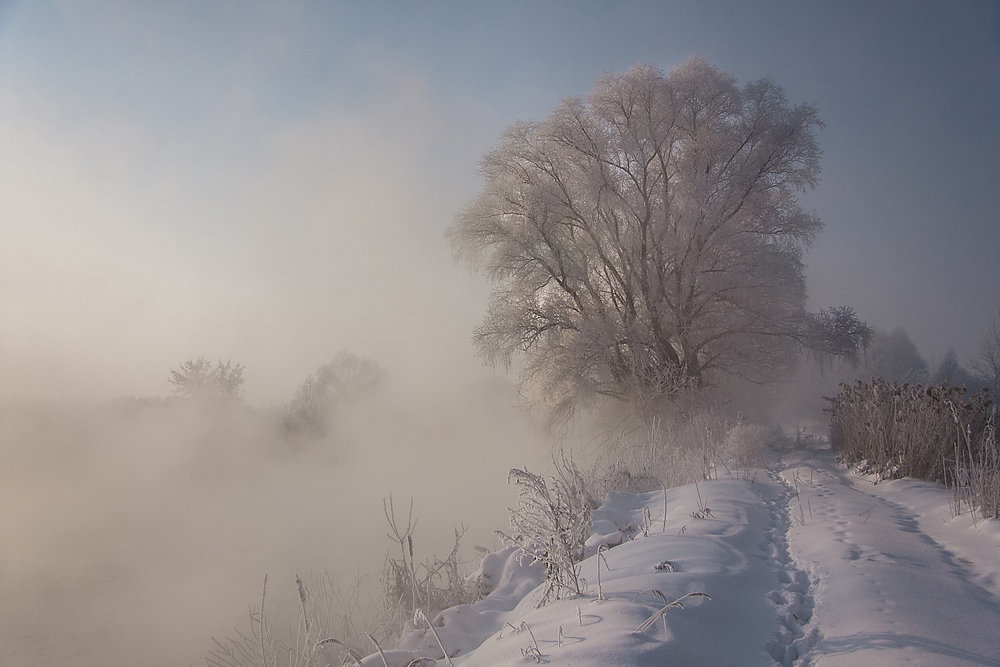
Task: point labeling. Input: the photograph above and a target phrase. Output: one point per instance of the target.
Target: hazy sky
(270, 181)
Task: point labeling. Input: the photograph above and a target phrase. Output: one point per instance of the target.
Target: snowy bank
(804, 563)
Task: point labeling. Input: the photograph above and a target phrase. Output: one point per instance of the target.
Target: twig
(378, 647)
(334, 640)
(662, 611)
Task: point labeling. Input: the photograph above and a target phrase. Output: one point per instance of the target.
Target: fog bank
(134, 533)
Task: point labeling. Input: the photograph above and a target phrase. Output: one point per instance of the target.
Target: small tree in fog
(648, 238)
(987, 364)
(837, 333)
(894, 357)
(347, 378)
(199, 379)
(952, 372)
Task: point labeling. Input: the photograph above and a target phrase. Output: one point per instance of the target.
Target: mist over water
(133, 533)
(135, 238)
(270, 184)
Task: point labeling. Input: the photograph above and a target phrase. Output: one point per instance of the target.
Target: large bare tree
(647, 238)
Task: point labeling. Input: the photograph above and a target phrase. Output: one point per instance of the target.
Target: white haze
(133, 534)
(234, 181)
(121, 259)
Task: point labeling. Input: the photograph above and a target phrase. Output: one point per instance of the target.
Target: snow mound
(804, 563)
(725, 556)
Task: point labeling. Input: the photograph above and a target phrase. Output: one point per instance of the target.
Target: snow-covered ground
(802, 563)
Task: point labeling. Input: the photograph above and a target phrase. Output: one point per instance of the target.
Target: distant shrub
(680, 449)
(349, 377)
(200, 380)
(893, 430)
(745, 445)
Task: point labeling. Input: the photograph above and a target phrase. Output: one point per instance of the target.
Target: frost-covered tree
(648, 238)
(199, 379)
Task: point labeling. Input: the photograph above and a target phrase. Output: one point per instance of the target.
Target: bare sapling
(402, 571)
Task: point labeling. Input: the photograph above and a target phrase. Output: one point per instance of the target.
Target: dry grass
(661, 613)
(335, 626)
(938, 433)
(427, 587)
(668, 452)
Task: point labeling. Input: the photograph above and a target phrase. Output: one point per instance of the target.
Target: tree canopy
(648, 238)
(347, 378)
(199, 380)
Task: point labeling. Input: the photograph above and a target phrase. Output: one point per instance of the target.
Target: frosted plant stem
(378, 647)
(525, 626)
(334, 640)
(420, 615)
(662, 611)
(263, 596)
(600, 557)
(302, 601)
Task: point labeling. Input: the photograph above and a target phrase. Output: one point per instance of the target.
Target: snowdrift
(803, 563)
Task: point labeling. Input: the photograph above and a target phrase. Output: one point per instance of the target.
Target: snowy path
(806, 564)
(884, 591)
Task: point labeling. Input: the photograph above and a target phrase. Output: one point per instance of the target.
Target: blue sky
(270, 181)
